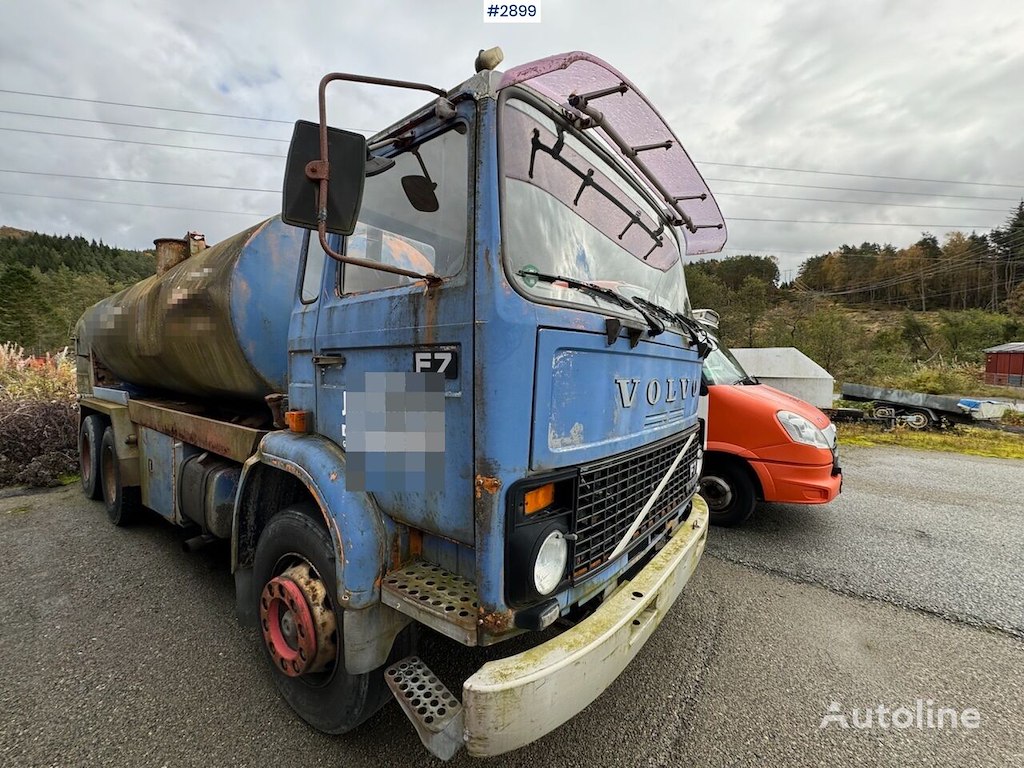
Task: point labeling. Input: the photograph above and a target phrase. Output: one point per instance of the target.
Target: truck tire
(90, 434)
(295, 594)
(123, 504)
(727, 488)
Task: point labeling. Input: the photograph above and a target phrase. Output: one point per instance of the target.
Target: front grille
(613, 491)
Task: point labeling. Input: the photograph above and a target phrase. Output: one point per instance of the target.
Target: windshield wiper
(656, 325)
(698, 335)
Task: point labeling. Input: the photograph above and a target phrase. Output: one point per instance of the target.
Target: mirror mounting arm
(431, 279)
(319, 170)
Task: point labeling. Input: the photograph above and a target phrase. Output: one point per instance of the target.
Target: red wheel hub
(288, 626)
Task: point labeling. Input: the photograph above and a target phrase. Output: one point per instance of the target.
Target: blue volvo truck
(454, 385)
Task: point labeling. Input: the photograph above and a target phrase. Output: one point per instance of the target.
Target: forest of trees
(974, 285)
(962, 272)
(871, 310)
(46, 282)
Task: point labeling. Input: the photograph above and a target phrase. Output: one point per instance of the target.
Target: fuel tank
(214, 325)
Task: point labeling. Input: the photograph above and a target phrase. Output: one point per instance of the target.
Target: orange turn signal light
(539, 498)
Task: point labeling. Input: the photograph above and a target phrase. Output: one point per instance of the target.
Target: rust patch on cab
(497, 622)
(488, 485)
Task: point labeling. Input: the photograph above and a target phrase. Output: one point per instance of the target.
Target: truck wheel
(301, 625)
(729, 492)
(89, 436)
(123, 504)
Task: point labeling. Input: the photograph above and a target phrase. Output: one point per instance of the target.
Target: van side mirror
(346, 153)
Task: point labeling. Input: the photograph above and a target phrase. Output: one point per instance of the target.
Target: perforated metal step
(433, 710)
(433, 596)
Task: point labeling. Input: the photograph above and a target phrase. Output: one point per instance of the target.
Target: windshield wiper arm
(698, 335)
(656, 325)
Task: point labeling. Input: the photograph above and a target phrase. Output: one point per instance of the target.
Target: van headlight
(548, 568)
(801, 430)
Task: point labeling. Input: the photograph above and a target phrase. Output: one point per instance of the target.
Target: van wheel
(729, 492)
(123, 504)
(301, 625)
(90, 434)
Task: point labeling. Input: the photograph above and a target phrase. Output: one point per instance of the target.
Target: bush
(937, 378)
(38, 418)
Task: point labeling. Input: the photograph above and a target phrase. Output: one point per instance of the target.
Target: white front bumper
(514, 701)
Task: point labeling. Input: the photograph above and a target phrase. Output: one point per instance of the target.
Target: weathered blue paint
(156, 456)
(594, 400)
(260, 304)
(378, 331)
(362, 534)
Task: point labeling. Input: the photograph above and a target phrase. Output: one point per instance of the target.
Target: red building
(1004, 365)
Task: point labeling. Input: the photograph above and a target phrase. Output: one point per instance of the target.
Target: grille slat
(613, 491)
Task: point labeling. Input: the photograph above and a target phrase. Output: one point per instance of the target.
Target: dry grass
(38, 418)
(975, 441)
(24, 377)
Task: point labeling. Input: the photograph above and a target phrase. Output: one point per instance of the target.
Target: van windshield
(569, 211)
(721, 367)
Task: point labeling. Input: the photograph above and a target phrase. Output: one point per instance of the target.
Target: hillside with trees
(918, 316)
(46, 282)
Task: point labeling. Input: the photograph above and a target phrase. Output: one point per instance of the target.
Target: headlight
(800, 430)
(550, 563)
(830, 434)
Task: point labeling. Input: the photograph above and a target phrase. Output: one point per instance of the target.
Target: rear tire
(90, 435)
(330, 699)
(729, 492)
(123, 504)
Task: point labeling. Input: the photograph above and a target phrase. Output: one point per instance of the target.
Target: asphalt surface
(118, 648)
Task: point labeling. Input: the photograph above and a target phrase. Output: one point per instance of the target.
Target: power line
(141, 125)
(860, 189)
(867, 223)
(863, 175)
(703, 162)
(859, 202)
(277, 191)
(137, 205)
(143, 143)
(978, 256)
(767, 250)
(140, 181)
(147, 106)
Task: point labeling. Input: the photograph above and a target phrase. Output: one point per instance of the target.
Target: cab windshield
(570, 212)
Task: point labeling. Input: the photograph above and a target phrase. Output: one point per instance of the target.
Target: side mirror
(346, 153)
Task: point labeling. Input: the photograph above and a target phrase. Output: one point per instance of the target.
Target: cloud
(915, 89)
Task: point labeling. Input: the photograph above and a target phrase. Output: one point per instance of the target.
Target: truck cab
(762, 444)
(483, 414)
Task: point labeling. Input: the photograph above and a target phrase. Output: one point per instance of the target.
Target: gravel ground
(936, 532)
(117, 648)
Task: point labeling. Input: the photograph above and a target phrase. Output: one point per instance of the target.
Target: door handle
(325, 360)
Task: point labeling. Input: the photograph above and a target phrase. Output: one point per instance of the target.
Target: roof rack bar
(667, 144)
(620, 88)
(701, 196)
(597, 118)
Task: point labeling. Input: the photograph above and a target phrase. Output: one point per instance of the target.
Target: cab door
(394, 356)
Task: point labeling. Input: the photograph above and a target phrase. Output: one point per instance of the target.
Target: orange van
(762, 444)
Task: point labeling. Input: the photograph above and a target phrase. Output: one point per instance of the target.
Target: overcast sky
(916, 89)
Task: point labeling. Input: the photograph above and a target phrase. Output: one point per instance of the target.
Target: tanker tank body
(213, 326)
